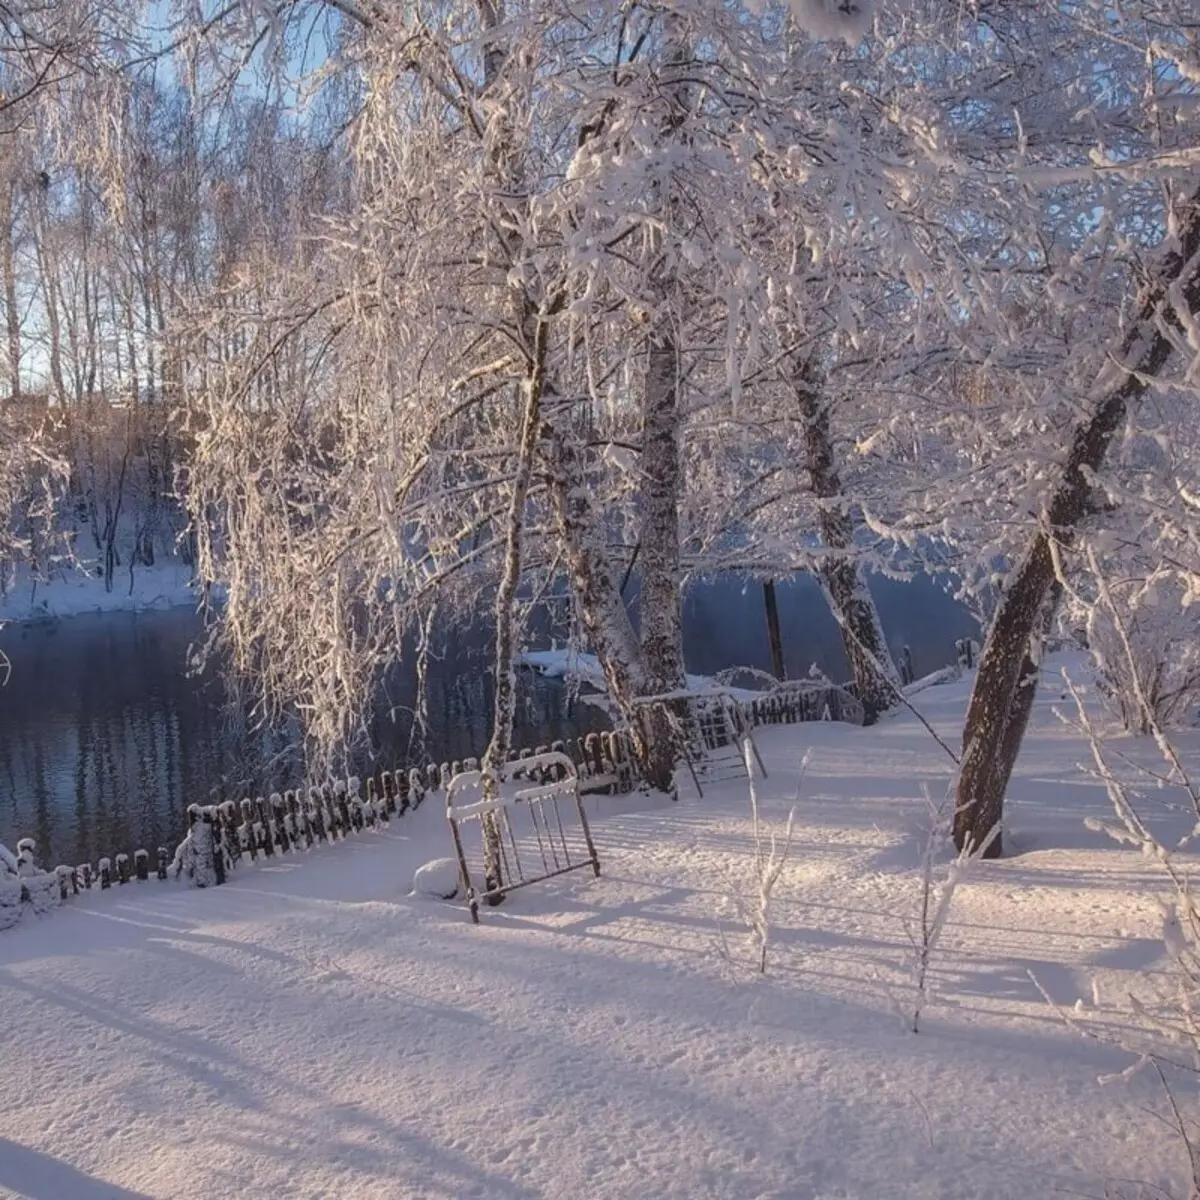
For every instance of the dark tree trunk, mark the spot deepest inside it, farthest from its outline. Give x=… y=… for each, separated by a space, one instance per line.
x=773 y=634
x=661 y=609
x=871 y=663
x=596 y=588
x=662 y=619
x=999 y=706
x=12 y=311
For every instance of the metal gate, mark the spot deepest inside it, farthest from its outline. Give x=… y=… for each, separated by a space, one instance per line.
x=532 y=838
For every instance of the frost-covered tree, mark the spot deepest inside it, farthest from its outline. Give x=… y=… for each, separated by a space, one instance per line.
x=561 y=288
x=524 y=215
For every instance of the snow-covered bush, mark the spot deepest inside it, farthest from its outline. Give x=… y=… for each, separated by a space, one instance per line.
x=1163 y=1028
x=938 y=886
x=439 y=878
x=752 y=901
x=23 y=887
x=1147 y=658
x=11 y=889
x=195 y=856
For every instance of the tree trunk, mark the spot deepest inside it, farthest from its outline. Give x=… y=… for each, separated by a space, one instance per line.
x=999 y=706
x=597 y=589
x=662 y=618
x=506 y=594
x=12 y=311
x=661 y=607
x=875 y=676
x=773 y=634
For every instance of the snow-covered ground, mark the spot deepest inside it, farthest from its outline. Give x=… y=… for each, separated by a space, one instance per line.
x=311 y=1030
x=71 y=591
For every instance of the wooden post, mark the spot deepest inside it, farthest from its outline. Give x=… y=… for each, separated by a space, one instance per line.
x=316 y=816
x=122 y=869
x=233 y=838
x=333 y=829
x=85 y=873
x=246 y=832
x=266 y=825
x=212 y=818
x=163 y=860
x=298 y=819
x=342 y=803
x=141 y=865
x=358 y=818
x=279 y=820
x=416 y=789
x=773 y=634
x=377 y=804
x=592 y=747
x=105 y=873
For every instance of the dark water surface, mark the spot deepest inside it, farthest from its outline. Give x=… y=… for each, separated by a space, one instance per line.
x=105 y=738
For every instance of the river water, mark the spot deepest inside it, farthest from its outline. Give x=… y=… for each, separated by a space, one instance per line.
x=105 y=737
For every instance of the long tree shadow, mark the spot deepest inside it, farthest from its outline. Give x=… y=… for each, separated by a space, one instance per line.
x=38 y=1176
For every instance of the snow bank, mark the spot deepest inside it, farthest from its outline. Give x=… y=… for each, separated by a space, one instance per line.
x=72 y=592
x=566 y=663
x=438 y=878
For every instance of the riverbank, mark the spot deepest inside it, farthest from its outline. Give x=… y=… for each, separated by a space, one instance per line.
x=78 y=591
x=313 y=1029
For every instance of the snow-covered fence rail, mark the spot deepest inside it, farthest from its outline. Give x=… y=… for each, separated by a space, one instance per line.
x=794 y=703
x=223 y=836
x=219 y=836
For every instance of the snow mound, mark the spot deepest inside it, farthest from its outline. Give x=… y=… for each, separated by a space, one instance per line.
x=437 y=878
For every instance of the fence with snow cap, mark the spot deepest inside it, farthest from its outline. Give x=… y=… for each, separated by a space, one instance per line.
x=222 y=836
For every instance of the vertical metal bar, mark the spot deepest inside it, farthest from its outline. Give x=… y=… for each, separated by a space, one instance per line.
x=562 y=836
x=462 y=869
x=587 y=833
x=507 y=823
x=533 y=811
x=550 y=838
x=505 y=872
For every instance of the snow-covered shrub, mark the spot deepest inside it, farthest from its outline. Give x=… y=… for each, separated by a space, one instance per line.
x=23 y=887
x=1150 y=668
x=11 y=889
x=752 y=902
x=1143 y=633
x=40 y=892
x=1163 y=1031
x=195 y=855
x=439 y=878
x=938 y=886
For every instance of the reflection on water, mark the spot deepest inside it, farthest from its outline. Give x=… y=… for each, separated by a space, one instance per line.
x=725 y=625
x=104 y=738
